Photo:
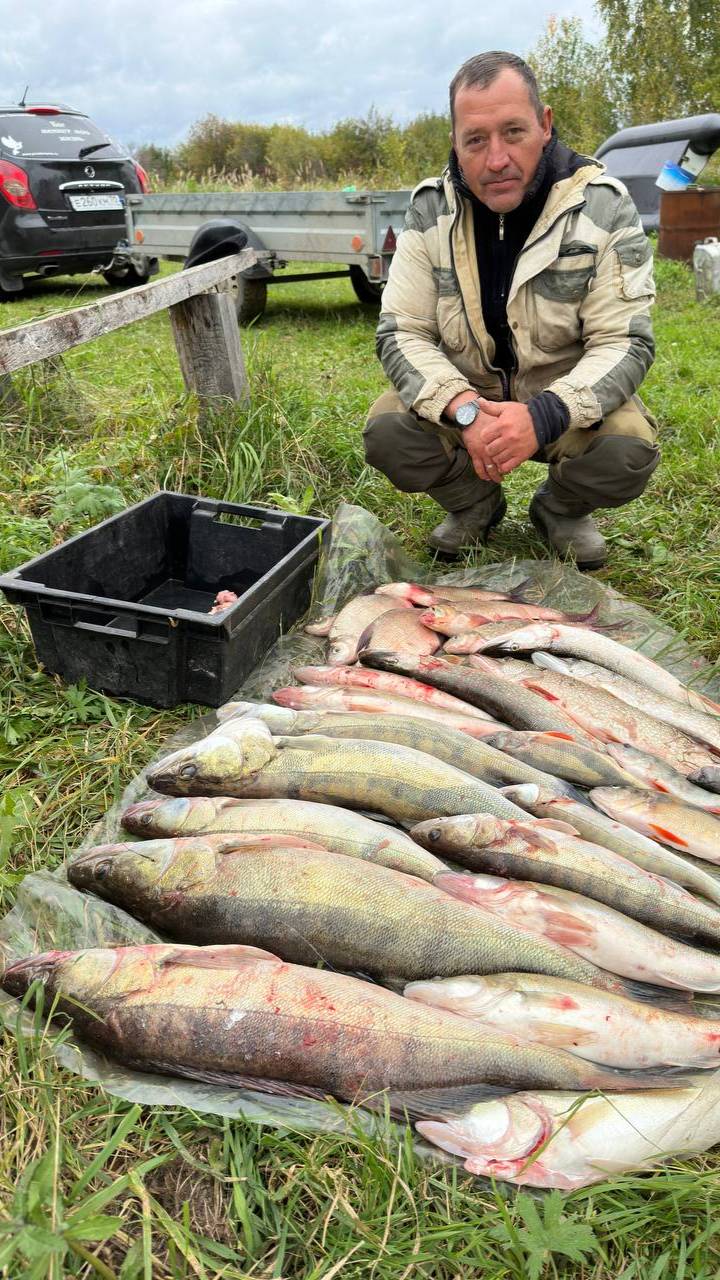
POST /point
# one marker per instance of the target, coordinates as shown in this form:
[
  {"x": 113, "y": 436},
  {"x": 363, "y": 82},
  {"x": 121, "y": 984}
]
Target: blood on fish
[
  {"x": 549, "y": 697},
  {"x": 658, "y": 786},
  {"x": 565, "y": 1002}
]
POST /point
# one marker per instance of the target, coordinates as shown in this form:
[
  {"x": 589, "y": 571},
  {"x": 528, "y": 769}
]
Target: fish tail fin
[{"x": 516, "y": 593}]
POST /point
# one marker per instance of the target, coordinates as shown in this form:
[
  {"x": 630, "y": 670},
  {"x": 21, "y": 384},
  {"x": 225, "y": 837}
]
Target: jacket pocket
[
  {"x": 451, "y": 322},
  {"x": 635, "y": 276},
  {"x": 556, "y": 295}
]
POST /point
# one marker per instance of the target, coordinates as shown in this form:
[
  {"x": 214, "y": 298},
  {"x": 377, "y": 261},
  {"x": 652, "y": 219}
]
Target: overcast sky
[{"x": 146, "y": 72}]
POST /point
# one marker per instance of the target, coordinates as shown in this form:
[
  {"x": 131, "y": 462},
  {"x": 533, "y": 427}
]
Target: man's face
[{"x": 499, "y": 140}]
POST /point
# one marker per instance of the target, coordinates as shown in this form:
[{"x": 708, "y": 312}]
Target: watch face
[{"x": 466, "y": 414}]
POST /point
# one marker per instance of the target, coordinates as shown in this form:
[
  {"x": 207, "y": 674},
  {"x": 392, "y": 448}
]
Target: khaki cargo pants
[{"x": 606, "y": 465}]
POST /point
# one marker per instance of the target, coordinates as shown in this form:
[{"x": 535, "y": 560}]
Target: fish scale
[
  {"x": 377, "y": 777},
  {"x": 224, "y": 1014},
  {"x": 311, "y": 908},
  {"x": 538, "y": 853},
  {"x": 452, "y": 747},
  {"x": 507, "y": 701}
]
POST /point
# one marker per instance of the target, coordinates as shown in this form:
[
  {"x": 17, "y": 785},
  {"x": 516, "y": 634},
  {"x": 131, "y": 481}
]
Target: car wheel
[
  {"x": 11, "y": 295},
  {"x": 367, "y": 292},
  {"x": 127, "y": 277}
]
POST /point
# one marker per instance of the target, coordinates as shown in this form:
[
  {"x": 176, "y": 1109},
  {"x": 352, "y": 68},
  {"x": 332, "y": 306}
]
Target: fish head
[
  {"x": 236, "y": 751},
  {"x": 410, "y": 591},
  {"x": 437, "y": 616},
  {"x": 19, "y": 977},
  {"x": 176, "y": 816},
  {"x": 79, "y": 974},
  {"x": 343, "y": 650},
  {"x": 468, "y": 994},
  {"x": 496, "y": 1138},
  {"x": 132, "y": 874},
  {"x": 538, "y": 635},
  {"x": 460, "y": 831},
  {"x": 232, "y": 709}
]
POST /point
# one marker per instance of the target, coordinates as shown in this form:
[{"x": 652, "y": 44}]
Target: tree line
[{"x": 656, "y": 60}]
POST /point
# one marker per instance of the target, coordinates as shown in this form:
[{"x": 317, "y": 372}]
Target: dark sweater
[{"x": 496, "y": 257}]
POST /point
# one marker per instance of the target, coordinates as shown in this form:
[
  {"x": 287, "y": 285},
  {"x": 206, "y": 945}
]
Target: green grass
[{"x": 90, "y": 1186}]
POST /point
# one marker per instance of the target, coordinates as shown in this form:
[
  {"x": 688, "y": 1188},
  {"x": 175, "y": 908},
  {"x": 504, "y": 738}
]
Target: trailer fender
[{"x": 220, "y": 236}]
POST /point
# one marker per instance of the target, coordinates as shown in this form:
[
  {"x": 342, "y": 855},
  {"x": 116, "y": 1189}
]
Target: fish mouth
[{"x": 19, "y": 976}]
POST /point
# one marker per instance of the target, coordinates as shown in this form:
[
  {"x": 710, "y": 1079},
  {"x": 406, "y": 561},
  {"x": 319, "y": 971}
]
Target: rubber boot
[
  {"x": 467, "y": 524},
  {"x": 568, "y": 529}
]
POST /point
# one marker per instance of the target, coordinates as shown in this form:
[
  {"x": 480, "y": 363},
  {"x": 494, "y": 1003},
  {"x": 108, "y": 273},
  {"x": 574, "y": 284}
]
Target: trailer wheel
[
  {"x": 367, "y": 292},
  {"x": 249, "y": 297},
  {"x": 128, "y": 276}
]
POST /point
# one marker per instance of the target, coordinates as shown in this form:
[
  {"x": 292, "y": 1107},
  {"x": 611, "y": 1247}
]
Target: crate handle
[
  {"x": 209, "y": 507},
  {"x": 100, "y": 630}
]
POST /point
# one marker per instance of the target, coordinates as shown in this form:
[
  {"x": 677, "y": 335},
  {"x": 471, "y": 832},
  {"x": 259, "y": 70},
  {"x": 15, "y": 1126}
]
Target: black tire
[
  {"x": 11, "y": 295},
  {"x": 367, "y": 292},
  {"x": 127, "y": 277},
  {"x": 249, "y": 296}
]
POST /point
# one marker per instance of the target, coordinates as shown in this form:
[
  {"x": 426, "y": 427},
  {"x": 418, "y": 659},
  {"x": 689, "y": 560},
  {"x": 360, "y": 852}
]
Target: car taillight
[
  {"x": 42, "y": 111},
  {"x": 14, "y": 186},
  {"x": 142, "y": 178}
]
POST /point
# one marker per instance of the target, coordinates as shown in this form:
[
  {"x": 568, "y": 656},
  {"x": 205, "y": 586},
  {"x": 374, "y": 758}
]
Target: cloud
[{"x": 147, "y": 72}]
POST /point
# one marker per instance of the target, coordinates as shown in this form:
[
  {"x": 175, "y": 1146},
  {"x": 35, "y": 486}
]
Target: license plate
[{"x": 91, "y": 204}]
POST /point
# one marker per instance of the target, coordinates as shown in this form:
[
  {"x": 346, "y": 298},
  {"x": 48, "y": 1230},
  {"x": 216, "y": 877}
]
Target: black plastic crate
[{"x": 125, "y": 605}]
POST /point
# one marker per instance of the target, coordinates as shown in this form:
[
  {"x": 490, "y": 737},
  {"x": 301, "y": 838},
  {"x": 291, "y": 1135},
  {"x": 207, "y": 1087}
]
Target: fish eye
[
  {"x": 434, "y": 834},
  {"x": 102, "y": 869},
  {"x": 188, "y": 771},
  {"x": 145, "y": 819}
]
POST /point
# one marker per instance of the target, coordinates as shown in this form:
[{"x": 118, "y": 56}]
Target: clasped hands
[{"x": 501, "y": 437}]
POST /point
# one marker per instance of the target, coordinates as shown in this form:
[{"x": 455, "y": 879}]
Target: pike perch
[
  {"x": 538, "y": 852},
  {"x": 241, "y": 758},
  {"x": 314, "y": 908}
]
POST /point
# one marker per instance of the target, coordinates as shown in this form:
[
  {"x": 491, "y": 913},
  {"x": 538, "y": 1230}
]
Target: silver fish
[
  {"x": 566, "y": 1141},
  {"x": 600, "y": 829},
  {"x": 579, "y": 642}
]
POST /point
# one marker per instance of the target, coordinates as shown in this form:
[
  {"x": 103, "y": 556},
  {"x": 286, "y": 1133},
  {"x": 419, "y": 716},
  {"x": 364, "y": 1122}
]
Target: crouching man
[{"x": 515, "y": 325}]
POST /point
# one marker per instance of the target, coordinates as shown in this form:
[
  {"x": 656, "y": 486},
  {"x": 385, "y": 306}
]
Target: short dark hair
[{"x": 480, "y": 71}]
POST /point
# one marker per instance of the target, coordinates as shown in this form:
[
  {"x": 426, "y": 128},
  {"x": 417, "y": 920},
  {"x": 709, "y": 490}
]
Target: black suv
[{"x": 63, "y": 189}]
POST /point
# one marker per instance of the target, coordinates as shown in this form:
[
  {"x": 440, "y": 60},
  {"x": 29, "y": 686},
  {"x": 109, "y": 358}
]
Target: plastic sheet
[{"x": 49, "y": 914}]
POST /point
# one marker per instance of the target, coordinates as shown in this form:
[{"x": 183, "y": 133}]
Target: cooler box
[{"x": 125, "y": 605}]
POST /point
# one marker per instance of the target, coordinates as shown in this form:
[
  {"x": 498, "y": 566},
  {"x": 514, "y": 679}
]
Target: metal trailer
[{"x": 357, "y": 230}]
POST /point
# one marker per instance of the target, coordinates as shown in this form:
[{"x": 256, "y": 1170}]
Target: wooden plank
[
  {"x": 55, "y": 334},
  {"x": 208, "y": 344}
]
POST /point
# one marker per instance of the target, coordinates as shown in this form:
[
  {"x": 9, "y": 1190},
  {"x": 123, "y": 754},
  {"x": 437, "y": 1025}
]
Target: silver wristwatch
[{"x": 466, "y": 413}]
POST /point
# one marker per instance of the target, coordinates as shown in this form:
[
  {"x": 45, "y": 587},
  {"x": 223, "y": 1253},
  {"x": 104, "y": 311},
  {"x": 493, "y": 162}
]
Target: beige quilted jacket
[{"x": 578, "y": 307}]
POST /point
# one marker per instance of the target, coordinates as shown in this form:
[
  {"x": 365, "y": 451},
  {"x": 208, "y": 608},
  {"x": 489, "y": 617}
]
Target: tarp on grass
[{"x": 49, "y": 914}]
